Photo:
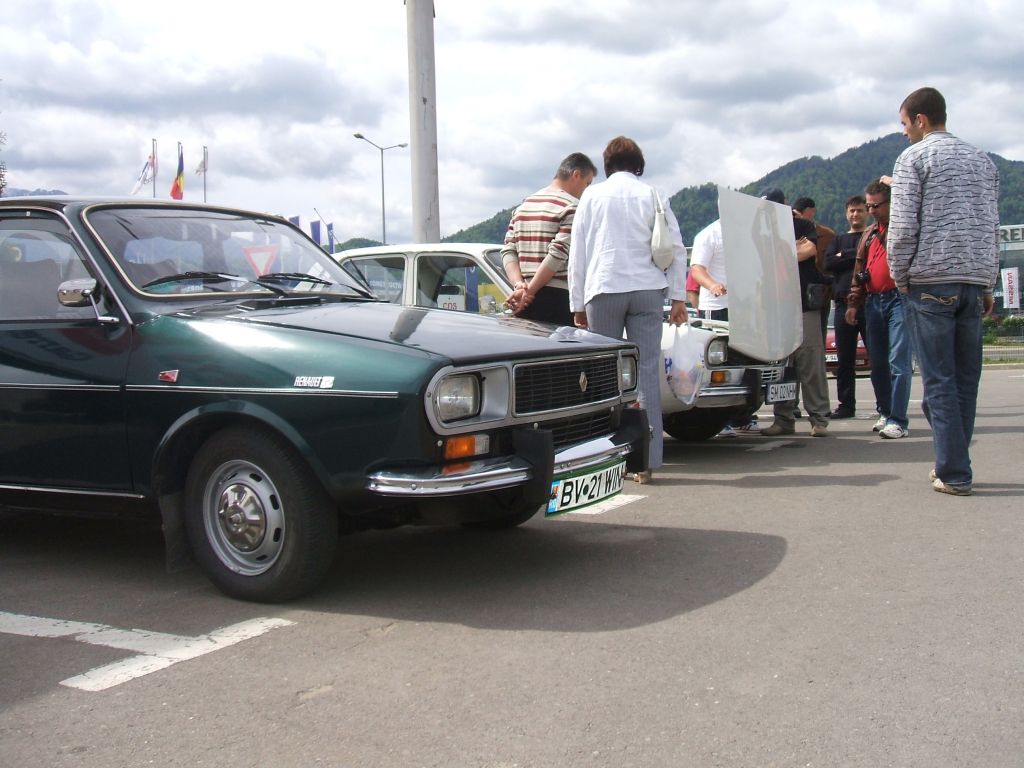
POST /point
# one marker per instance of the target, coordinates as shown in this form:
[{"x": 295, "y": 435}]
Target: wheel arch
[{"x": 173, "y": 454}]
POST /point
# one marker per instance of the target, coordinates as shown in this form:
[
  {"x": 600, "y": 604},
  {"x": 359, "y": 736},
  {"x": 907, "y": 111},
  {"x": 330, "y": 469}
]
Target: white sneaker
[
  {"x": 727, "y": 431},
  {"x": 893, "y": 431},
  {"x": 750, "y": 428},
  {"x": 880, "y": 424}
]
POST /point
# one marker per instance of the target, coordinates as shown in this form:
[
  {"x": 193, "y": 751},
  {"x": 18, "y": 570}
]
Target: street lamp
[{"x": 383, "y": 220}]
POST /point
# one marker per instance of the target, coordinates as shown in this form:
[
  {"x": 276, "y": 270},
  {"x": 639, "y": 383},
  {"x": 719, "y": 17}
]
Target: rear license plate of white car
[
  {"x": 831, "y": 358},
  {"x": 777, "y": 393},
  {"x": 577, "y": 491}
]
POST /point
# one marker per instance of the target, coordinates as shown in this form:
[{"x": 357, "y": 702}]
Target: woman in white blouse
[{"x": 614, "y": 285}]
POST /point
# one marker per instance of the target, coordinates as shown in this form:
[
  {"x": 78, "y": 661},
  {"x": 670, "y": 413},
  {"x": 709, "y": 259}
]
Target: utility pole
[{"x": 426, "y": 215}]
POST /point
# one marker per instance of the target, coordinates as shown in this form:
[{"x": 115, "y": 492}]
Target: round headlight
[
  {"x": 627, "y": 373},
  {"x": 457, "y": 397},
  {"x": 718, "y": 352}
]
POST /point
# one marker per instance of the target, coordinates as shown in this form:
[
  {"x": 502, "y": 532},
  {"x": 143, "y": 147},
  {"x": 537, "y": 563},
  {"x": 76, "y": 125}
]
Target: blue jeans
[
  {"x": 946, "y": 322},
  {"x": 889, "y": 339}
]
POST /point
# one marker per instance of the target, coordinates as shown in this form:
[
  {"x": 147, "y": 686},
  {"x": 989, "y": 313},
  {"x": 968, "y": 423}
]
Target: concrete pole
[{"x": 426, "y": 214}]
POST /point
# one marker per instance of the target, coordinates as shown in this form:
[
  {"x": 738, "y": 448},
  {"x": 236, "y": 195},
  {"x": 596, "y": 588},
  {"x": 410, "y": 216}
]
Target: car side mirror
[
  {"x": 84, "y": 292},
  {"x": 77, "y": 293}
]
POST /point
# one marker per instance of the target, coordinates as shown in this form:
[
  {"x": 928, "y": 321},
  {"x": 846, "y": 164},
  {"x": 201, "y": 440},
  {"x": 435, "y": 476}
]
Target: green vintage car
[{"x": 214, "y": 367}]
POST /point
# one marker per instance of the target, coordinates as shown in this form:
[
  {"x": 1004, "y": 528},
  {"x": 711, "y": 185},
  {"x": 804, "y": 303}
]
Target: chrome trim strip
[
  {"x": 491, "y": 474},
  {"x": 722, "y": 392},
  {"x": 70, "y": 492},
  {"x": 263, "y": 391},
  {"x": 72, "y": 387}
]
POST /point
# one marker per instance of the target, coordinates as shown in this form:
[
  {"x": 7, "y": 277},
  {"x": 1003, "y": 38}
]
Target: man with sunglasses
[
  {"x": 888, "y": 338},
  {"x": 943, "y": 254}
]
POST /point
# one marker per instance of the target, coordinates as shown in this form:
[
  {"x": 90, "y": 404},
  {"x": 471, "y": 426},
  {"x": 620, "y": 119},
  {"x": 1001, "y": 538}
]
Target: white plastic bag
[{"x": 684, "y": 364}]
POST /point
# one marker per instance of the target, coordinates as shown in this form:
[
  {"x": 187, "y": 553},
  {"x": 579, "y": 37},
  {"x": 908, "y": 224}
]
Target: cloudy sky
[{"x": 712, "y": 91}]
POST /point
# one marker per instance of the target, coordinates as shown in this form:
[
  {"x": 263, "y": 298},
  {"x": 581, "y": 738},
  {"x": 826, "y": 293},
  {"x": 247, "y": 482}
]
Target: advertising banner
[{"x": 1011, "y": 288}]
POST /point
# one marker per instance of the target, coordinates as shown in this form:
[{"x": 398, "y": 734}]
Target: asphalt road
[{"x": 767, "y": 602}]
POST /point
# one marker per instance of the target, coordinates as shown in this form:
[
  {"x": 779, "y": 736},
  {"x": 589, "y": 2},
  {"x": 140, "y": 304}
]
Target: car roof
[
  {"x": 373, "y": 250},
  {"x": 78, "y": 202}
]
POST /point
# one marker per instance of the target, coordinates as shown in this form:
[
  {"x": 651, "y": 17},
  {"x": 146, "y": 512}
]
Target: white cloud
[{"x": 719, "y": 92}]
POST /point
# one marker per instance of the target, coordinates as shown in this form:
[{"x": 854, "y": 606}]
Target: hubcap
[{"x": 244, "y": 517}]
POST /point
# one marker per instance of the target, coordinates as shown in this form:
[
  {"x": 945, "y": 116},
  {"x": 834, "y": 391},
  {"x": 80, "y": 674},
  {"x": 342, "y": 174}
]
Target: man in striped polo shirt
[
  {"x": 536, "y": 251},
  {"x": 943, "y": 255}
]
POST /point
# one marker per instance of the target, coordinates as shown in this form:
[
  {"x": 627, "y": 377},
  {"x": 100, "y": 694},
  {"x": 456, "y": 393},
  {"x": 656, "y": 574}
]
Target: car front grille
[
  {"x": 555, "y": 385},
  {"x": 578, "y": 429},
  {"x": 771, "y": 375}
]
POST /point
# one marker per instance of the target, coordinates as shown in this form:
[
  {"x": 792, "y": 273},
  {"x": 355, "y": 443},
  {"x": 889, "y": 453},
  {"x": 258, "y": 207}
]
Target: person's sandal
[{"x": 642, "y": 477}]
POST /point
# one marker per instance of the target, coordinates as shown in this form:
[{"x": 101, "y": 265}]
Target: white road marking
[
  {"x": 607, "y": 505},
  {"x": 156, "y": 650}
]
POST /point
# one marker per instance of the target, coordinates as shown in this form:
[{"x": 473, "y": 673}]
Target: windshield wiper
[
  {"x": 301, "y": 277},
  {"x": 206, "y": 276}
]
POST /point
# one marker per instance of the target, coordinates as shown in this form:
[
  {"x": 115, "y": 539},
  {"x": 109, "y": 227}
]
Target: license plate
[
  {"x": 578, "y": 491},
  {"x": 777, "y": 393},
  {"x": 831, "y": 358}
]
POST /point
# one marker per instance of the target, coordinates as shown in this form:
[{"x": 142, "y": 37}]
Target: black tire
[
  {"x": 259, "y": 522},
  {"x": 694, "y": 426}
]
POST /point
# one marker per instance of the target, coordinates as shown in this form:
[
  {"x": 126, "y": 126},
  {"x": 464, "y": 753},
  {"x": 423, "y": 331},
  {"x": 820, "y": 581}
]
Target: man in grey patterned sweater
[{"x": 943, "y": 255}]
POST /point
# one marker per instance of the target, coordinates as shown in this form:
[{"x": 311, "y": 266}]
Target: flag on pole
[
  {"x": 146, "y": 176},
  {"x": 295, "y": 220},
  {"x": 178, "y": 185},
  {"x": 314, "y": 231},
  {"x": 201, "y": 168},
  {"x": 330, "y": 237}
]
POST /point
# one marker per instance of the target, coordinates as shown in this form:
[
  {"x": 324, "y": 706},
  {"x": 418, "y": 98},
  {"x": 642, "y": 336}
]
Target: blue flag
[
  {"x": 330, "y": 237},
  {"x": 314, "y": 231}
]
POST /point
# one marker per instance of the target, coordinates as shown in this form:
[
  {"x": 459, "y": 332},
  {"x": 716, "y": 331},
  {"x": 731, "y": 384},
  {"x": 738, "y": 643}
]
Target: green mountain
[
  {"x": 490, "y": 231},
  {"x": 829, "y": 182}
]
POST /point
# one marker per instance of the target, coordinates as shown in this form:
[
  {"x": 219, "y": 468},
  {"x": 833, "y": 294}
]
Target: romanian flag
[{"x": 178, "y": 186}]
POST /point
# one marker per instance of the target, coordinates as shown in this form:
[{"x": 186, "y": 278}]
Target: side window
[
  {"x": 384, "y": 274},
  {"x": 458, "y": 283},
  {"x": 33, "y": 264}
]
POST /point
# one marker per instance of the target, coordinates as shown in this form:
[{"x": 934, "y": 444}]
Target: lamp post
[{"x": 383, "y": 218}]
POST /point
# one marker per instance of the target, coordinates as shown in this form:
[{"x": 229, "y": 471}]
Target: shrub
[{"x": 1014, "y": 325}]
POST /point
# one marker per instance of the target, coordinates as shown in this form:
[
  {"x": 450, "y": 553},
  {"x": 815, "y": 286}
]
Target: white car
[{"x": 469, "y": 277}]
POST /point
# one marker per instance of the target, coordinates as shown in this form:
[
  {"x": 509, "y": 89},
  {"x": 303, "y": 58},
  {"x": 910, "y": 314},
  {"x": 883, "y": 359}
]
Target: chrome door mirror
[{"x": 84, "y": 292}]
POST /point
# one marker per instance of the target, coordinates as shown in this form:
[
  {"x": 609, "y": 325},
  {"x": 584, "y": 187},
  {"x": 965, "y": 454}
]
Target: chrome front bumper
[{"x": 497, "y": 473}]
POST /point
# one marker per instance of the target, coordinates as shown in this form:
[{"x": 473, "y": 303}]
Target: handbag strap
[{"x": 657, "y": 201}]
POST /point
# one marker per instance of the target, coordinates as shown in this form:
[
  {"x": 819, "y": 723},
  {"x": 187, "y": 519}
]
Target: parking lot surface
[{"x": 766, "y": 602}]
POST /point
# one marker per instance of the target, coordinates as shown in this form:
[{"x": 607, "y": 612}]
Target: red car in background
[{"x": 861, "y": 363}]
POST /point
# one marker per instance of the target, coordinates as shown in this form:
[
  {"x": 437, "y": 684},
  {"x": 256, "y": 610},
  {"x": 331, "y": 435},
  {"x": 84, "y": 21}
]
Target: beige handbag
[{"x": 661, "y": 237}]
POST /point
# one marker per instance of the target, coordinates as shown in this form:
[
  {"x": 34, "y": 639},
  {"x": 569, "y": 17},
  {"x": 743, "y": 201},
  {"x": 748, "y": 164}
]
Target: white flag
[{"x": 146, "y": 176}]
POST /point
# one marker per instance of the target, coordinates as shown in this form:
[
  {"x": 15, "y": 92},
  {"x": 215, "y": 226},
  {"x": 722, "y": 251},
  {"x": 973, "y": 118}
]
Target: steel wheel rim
[{"x": 244, "y": 517}]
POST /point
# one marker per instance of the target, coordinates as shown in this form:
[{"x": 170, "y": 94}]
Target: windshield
[{"x": 174, "y": 251}]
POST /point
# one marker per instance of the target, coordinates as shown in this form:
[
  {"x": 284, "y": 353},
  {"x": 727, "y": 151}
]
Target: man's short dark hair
[
  {"x": 878, "y": 187},
  {"x": 855, "y": 201},
  {"x": 803, "y": 203},
  {"x": 577, "y": 161},
  {"x": 774, "y": 194},
  {"x": 927, "y": 102},
  {"x": 623, "y": 154}
]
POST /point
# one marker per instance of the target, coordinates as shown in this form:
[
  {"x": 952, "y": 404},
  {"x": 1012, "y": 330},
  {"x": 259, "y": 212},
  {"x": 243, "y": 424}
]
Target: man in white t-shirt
[{"x": 707, "y": 265}]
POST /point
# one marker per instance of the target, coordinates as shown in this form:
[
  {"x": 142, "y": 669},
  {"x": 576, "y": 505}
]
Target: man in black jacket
[
  {"x": 809, "y": 357},
  {"x": 839, "y": 261}
]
